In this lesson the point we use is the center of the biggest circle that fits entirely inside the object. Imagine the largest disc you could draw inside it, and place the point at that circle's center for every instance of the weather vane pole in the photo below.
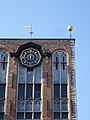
(28, 26)
(31, 32)
(70, 28)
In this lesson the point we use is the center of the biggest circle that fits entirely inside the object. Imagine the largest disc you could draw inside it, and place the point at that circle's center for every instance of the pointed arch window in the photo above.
(29, 92)
(3, 77)
(60, 84)
(63, 61)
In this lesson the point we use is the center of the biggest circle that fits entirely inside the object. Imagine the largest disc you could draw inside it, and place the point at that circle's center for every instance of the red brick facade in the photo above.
(11, 45)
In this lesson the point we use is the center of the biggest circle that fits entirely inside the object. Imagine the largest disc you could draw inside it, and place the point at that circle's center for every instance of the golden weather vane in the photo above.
(70, 28)
(28, 26)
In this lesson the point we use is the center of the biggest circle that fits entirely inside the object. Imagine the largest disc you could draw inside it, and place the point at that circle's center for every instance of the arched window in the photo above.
(3, 77)
(29, 92)
(60, 84)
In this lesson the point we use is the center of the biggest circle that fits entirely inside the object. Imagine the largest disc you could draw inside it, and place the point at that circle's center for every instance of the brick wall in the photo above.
(11, 45)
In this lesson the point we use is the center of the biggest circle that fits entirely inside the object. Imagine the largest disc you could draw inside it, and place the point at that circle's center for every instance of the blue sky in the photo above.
(50, 18)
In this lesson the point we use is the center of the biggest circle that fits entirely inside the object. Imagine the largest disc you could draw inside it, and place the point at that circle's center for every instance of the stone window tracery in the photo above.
(60, 84)
(3, 80)
(29, 93)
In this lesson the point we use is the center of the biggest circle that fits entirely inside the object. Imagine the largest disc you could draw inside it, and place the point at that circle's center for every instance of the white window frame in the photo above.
(33, 99)
(59, 82)
(5, 74)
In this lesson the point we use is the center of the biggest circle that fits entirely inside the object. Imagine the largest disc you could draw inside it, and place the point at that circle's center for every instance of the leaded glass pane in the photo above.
(64, 115)
(37, 115)
(56, 115)
(3, 74)
(4, 56)
(1, 116)
(1, 105)
(20, 115)
(38, 74)
(30, 75)
(63, 57)
(28, 116)
(2, 90)
(64, 77)
(28, 105)
(56, 106)
(37, 105)
(29, 90)
(56, 91)
(37, 91)
(64, 90)
(21, 91)
(56, 76)
(20, 105)
(64, 105)
(22, 74)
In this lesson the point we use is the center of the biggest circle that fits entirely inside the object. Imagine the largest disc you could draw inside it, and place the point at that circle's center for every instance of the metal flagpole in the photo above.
(31, 32)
